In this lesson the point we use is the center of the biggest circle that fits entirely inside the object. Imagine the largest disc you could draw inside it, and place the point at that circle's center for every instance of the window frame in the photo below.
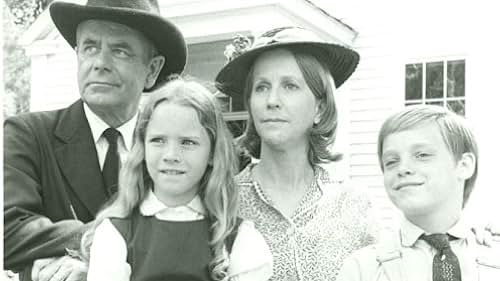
(445, 99)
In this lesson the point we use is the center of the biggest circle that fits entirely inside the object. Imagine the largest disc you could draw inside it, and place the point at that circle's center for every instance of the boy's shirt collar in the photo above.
(410, 233)
(152, 206)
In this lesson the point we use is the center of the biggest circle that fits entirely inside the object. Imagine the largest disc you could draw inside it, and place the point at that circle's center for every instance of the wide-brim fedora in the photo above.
(341, 60)
(141, 15)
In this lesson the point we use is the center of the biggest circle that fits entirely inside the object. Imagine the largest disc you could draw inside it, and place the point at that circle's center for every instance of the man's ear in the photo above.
(466, 165)
(154, 67)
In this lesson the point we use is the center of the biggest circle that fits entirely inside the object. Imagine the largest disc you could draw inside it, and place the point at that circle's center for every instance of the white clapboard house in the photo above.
(437, 52)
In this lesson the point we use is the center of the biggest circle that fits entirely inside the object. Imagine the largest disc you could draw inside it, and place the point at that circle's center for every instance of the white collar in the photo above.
(410, 232)
(152, 206)
(98, 126)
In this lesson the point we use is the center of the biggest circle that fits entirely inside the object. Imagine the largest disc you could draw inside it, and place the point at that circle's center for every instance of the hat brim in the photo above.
(340, 60)
(166, 37)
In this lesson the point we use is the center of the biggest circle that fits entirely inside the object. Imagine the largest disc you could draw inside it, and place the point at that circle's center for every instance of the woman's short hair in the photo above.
(321, 83)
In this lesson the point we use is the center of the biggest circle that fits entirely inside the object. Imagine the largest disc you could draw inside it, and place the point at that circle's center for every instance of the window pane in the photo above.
(434, 80)
(238, 103)
(413, 81)
(412, 103)
(456, 78)
(205, 58)
(457, 106)
(224, 103)
(237, 127)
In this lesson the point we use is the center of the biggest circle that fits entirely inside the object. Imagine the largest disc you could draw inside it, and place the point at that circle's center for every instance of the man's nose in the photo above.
(102, 60)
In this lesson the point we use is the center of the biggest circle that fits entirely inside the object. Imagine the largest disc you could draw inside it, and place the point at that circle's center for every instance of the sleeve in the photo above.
(363, 265)
(350, 270)
(108, 255)
(28, 233)
(251, 258)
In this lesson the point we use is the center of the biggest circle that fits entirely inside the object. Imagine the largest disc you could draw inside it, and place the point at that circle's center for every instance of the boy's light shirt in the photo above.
(98, 126)
(417, 255)
(464, 248)
(250, 259)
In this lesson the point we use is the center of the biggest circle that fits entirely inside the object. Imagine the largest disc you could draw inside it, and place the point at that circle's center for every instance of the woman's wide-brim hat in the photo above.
(340, 60)
(141, 15)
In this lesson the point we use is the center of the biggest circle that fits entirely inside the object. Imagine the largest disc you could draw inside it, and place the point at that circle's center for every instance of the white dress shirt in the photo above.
(250, 258)
(98, 126)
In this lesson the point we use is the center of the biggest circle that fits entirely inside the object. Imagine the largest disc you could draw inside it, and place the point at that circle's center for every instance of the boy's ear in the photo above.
(466, 165)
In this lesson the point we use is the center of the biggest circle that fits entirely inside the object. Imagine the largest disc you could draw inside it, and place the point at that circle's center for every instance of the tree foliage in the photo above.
(25, 12)
(18, 15)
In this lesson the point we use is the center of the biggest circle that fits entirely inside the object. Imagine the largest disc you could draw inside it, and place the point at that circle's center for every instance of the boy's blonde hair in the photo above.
(456, 134)
(218, 189)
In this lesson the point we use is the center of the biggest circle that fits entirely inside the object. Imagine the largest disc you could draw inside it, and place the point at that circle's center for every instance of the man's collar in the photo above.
(98, 126)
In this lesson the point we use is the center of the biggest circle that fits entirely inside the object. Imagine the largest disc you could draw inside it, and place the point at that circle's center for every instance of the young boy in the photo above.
(429, 160)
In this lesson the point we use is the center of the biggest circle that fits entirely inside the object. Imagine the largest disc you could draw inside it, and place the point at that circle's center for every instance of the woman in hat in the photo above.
(288, 79)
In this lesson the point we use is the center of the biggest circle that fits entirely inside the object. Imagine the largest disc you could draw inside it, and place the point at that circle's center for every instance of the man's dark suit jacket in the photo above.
(52, 184)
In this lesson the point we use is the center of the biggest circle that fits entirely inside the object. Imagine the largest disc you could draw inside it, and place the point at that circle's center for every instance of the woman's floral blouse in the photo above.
(332, 221)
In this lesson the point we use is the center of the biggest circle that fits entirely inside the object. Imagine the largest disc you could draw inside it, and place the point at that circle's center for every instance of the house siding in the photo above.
(53, 79)
(372, 96)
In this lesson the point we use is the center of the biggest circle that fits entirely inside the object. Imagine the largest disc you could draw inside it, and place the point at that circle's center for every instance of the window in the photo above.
(204, 61)
(436, 82)
(234, 113)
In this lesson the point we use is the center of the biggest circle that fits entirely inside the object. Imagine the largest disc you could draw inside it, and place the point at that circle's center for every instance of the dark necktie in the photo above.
(445, 266)
(111, 162)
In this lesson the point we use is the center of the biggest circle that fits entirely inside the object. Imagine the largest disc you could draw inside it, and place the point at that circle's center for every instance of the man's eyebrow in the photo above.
(89, 41)
(122, 45)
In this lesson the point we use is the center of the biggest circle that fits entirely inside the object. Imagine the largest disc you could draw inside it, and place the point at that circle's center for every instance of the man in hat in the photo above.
(61, 166)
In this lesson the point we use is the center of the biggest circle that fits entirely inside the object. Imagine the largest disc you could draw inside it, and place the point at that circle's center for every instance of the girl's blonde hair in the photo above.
(218, 189)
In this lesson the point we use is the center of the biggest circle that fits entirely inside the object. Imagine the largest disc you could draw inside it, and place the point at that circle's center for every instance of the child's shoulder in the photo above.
(248, 240)
(250, 253)
(388, 247)
(125, 225)
(245, 229)
(365, 263)
(489, 256)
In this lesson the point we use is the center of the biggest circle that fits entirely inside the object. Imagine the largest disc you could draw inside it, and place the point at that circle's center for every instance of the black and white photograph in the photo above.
(236, 140)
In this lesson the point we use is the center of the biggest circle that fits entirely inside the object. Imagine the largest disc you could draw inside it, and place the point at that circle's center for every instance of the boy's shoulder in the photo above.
(488, 261)
(383, 259)
(489, 256)
(387, 248)
(360, 265)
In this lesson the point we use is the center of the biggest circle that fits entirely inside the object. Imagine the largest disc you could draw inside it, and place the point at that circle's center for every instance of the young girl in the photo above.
(174, 217)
